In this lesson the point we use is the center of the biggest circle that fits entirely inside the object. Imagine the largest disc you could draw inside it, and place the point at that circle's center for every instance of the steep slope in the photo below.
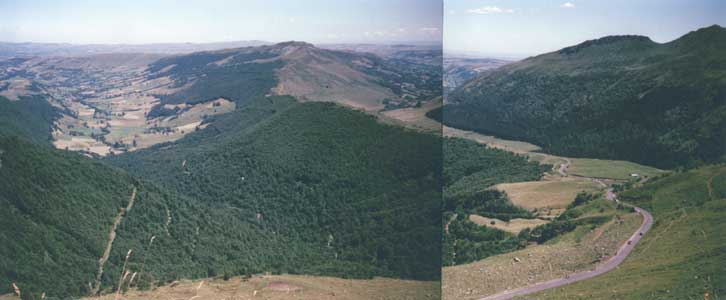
(269, 188)
(30, 117)
(335, 182)
(682, 257)
(622, 97)
(58, 220)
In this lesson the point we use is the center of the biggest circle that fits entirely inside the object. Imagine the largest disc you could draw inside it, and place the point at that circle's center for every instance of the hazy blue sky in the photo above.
(526, 27)
(133, 21)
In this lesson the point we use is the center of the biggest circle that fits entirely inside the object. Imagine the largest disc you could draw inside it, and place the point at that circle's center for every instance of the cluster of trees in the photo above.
(465, 242)
(471, 167)
(618, 98)
(469, 170)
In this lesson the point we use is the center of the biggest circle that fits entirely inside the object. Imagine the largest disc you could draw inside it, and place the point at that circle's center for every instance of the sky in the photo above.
(520, 28)
(138, 22)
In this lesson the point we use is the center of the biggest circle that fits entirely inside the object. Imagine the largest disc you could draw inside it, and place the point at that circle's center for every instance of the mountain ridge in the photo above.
(608, 100)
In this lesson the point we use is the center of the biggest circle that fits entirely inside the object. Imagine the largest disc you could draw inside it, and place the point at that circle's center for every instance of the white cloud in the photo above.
(490, 10)
(568, 5)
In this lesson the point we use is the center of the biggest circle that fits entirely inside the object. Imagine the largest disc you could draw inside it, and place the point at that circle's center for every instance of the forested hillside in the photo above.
(618, 97)
(60, 208)
(274, 186)
(344, 194)
(31, 117)
(278, 187)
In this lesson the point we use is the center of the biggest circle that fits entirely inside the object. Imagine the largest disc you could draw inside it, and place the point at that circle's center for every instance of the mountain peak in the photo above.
(705, 35)
(608, 40)
(294, 44)
(712, 28)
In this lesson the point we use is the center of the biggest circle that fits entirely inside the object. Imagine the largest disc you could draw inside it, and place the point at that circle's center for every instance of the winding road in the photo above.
(607, 266)
(602, 268)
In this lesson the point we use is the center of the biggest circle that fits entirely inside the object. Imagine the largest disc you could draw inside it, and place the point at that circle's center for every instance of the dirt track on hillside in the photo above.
(111, 238)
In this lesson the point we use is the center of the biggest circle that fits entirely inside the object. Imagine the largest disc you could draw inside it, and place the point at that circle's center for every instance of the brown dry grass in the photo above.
(546, 195)
(415, 118)
(513, 226)
(491, 141)
(289, 287)
(310, 75)
(576, 251)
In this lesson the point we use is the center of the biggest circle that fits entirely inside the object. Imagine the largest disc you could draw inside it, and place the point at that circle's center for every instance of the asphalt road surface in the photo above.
(600, 269)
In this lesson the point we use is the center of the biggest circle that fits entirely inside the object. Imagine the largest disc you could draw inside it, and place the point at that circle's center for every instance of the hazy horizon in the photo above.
(404, 42)
(219, 21)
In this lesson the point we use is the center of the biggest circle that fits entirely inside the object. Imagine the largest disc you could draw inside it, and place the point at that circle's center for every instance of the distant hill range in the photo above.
(621, 97)
(358, 79)
(309, 73)
(65, 49)
(428, 53)
(124, 101)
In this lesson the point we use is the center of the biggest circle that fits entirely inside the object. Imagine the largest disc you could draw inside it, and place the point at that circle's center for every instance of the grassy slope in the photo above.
(571, 252)
(682, 257)
(617, 97)
(315, 173)
(612, 169)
